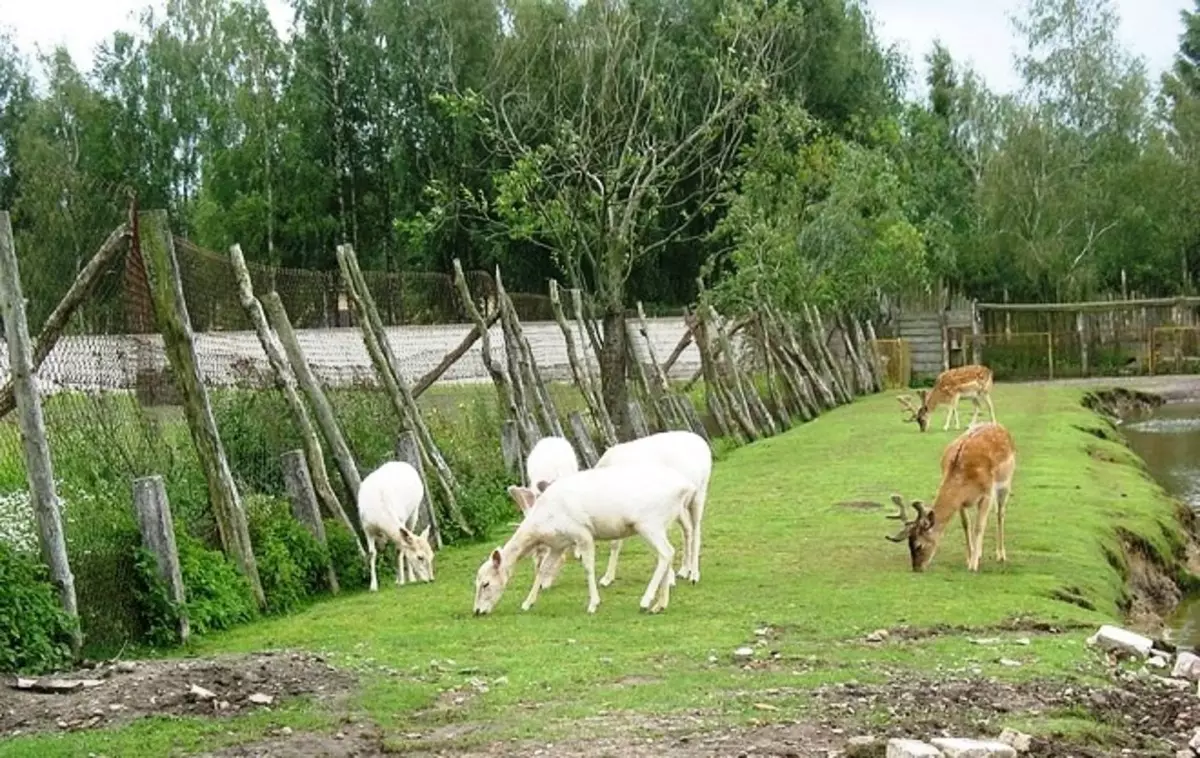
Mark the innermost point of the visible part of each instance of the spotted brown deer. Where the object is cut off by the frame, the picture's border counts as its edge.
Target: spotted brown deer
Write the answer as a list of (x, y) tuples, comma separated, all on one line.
[(972, 381), (977, 470)]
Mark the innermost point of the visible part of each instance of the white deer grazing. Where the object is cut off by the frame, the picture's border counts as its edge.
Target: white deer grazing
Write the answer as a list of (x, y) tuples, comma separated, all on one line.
[(550, 459), (687, 453), (576, 511), (388, 503)]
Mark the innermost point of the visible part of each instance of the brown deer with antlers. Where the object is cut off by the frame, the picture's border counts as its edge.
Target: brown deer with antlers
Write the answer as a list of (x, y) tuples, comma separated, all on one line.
[(977, 470), (971, 381)]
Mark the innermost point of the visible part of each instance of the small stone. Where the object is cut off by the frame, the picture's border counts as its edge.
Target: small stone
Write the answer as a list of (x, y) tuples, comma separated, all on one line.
[(960, 748), (1021, 641), (1009, 662), (1121, 640), (200, 693), (126, 667), (1018, 741), (986, 641), (285, 731), (1195, 743), (712, 659), (1157, 662), (1187, 666), (259, 698), (861, 741), (340, 736), (766, 707), (762, 632), (897, 748), (743, 653), (879, 635)]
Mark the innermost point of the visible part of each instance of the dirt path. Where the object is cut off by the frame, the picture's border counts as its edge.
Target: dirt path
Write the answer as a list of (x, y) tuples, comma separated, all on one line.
[(1144, 716)]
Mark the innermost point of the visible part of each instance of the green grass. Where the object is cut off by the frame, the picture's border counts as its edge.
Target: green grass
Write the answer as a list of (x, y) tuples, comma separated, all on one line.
[(778, 552)]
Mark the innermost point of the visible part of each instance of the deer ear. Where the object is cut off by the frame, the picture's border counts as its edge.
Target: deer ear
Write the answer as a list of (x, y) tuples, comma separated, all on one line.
[(522, 496), (496, 558), (425, 533), (406, 535)]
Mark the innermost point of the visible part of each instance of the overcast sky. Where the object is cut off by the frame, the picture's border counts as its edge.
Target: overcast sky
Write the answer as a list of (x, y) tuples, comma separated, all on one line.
[(974, 30)]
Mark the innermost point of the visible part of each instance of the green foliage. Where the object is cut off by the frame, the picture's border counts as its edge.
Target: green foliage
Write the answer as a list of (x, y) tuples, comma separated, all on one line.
[(217, 594), (291, 563), (348, 564), (35, 634), (816, 218)]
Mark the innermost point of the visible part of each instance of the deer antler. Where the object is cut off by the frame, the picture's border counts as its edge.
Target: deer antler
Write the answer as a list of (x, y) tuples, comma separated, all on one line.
[(907, 402), (903, 516)]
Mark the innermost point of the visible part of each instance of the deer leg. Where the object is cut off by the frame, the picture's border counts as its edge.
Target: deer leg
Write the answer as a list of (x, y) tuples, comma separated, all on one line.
[(975, 403), (610, 574), (966, 525), (374, 551), (1001, 497), (551, 565), (586, 547), (991, 408), (539, 579), (658, 591), (951, 412), (985, 504), (401, 576)]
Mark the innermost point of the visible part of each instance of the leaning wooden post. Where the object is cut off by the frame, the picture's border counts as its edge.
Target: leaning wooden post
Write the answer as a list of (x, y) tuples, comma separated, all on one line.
[(591, 394), (408, 450), (687, 409), (510, 447), (298, 484), (1081, 327), (637, 418), (583, 438), (375, 338), (285, 380), (541, 394), (976, 345), (158, 535), (326, 420), (38, 468), (84, 284), (166, 290)]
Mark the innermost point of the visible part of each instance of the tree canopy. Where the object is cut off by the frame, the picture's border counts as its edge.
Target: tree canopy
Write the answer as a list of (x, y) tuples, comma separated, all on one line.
[(626, 146)]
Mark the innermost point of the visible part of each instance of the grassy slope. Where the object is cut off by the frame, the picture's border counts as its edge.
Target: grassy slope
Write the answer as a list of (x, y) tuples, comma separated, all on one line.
[(778, 551)]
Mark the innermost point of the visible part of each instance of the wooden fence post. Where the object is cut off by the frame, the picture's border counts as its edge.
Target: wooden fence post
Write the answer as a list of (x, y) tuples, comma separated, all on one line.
[(976, 345), (637, 418), (322, 410), (297, 481), (285, 379), (158, 535), (38, 468), (170, 309), (408, 451), (510, 446), (1081, 327), (583, 438)]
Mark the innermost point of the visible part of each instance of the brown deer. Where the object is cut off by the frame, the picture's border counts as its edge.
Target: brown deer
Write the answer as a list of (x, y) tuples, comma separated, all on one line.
[(971, 381), (977, 470)]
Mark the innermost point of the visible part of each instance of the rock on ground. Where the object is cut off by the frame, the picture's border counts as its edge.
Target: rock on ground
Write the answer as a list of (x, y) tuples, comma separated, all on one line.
[(960, 748), (1121, 640), (911, 749)]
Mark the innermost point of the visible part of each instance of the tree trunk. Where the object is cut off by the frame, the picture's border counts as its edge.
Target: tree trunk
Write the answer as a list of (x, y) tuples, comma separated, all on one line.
[(612, 371)]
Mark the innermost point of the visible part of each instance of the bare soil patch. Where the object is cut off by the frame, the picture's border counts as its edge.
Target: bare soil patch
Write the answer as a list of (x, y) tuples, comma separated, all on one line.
[(134, 689), (860, 505), (1145, 717)]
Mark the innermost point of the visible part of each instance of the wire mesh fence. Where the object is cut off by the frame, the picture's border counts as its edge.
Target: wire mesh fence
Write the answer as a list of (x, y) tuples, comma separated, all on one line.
[(113, 411)]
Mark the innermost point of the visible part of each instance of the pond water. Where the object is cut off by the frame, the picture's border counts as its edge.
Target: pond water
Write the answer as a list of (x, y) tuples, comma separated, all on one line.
[(1168, 440)]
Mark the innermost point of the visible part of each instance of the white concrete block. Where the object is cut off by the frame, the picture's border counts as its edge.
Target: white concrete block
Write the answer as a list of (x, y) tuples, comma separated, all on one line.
[(1115, 638), (1187, 666), (960, 748), (898, 748)]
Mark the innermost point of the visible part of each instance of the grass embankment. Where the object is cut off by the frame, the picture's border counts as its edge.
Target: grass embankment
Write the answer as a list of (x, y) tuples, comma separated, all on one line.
[(780, 553)]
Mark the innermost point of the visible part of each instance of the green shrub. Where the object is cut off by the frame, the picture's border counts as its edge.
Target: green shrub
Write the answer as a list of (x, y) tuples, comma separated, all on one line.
[(349, 565), (34, 632), (218, 596), (291, 563)]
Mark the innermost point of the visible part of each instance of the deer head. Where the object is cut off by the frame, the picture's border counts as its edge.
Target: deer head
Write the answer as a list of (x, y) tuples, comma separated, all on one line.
[(922, 543), (917, 413)]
